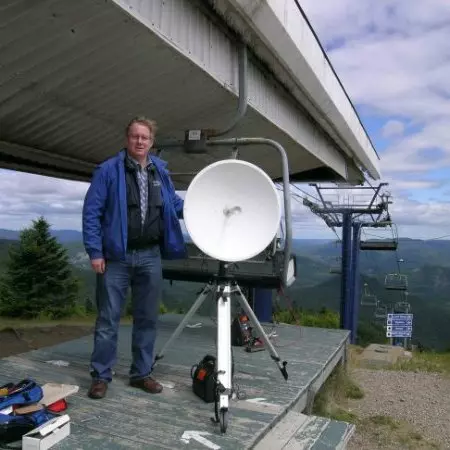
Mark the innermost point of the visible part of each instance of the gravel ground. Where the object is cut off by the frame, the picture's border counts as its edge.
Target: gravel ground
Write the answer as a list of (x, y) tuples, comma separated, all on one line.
[(418, 398)]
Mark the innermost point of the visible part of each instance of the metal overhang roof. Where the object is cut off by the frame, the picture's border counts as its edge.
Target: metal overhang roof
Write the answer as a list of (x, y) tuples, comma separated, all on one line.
[(280, 34), (73, 73)]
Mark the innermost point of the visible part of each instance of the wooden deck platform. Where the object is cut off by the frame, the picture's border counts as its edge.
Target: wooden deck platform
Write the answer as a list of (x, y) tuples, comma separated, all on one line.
[(130, 419)]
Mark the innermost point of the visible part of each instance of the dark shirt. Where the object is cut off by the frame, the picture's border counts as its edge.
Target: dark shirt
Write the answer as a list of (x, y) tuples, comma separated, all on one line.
[(142, 180)]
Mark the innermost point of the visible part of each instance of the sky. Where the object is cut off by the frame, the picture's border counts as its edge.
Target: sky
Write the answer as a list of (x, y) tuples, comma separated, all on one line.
[(393, 58)]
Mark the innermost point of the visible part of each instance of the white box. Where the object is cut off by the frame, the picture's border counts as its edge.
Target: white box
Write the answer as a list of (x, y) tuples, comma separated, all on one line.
[(48, 434)]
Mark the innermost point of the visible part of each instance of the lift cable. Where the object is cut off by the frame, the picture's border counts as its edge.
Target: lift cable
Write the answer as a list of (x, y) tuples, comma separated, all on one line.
[(298, 197)]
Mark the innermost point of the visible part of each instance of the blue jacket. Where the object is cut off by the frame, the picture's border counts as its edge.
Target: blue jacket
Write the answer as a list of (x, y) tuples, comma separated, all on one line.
[(105, 212)]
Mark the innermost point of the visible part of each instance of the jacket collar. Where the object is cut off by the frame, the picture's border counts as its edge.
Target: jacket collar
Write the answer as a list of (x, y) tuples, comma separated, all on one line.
[(158, 162)]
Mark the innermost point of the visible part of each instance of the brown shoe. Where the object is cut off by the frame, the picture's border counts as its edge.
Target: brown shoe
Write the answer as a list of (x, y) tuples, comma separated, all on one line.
[(98, 389), (147, 384)]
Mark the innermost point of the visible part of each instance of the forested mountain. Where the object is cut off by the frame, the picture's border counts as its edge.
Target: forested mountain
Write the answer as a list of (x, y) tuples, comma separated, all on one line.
[(63, 236), (427, 264)]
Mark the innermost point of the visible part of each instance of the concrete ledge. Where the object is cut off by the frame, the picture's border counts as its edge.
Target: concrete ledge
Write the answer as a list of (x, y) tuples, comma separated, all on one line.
[(378, 355)]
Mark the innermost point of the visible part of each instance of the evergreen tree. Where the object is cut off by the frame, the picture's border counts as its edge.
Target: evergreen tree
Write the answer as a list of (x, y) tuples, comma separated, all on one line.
[(38, 280)]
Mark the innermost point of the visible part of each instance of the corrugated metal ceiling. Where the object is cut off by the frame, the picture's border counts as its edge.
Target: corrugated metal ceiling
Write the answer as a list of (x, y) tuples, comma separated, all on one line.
[(72, 73)]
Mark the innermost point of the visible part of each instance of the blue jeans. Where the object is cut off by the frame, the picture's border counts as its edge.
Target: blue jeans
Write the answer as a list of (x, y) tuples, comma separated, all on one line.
[(142, 270)]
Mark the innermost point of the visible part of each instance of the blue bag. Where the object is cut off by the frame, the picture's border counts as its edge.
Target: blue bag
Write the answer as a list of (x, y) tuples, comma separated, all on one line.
[(24, 393), (12, 426)]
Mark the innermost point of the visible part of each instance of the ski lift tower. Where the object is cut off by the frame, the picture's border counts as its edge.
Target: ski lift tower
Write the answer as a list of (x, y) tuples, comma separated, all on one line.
[(351, 208)]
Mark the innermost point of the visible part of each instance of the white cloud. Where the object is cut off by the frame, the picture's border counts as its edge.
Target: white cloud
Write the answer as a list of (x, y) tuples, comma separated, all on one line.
[(393, 128), (25, 197), (394, 60), (405, 185), (432, 214), (412, 217), (410, 153)]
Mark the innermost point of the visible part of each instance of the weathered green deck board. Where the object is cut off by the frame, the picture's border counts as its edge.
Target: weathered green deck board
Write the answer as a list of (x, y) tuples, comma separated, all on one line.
[(129, 418)]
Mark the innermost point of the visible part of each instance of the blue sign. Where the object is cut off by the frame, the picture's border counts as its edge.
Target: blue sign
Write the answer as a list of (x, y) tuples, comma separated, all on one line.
[(399, 322), (398, 334), (400, 316), (399, 325), (403, 329)]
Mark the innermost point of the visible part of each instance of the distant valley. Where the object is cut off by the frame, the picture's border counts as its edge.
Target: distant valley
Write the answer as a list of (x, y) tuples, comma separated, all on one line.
[(427, 264), (63, 236)]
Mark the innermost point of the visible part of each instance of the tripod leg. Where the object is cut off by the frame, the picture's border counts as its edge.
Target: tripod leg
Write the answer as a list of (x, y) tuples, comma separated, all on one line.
[(254, 320), (200, 299), (224, 378)]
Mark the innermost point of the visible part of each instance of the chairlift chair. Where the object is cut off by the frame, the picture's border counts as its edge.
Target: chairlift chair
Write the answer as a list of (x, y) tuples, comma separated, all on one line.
[(402, 307), (336, 267), (380, 312), (396, 282), (368, 299), (378, 244), (389, 244)]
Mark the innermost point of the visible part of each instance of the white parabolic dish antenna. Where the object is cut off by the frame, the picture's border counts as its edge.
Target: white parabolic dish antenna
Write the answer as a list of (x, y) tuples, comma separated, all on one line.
[(232, 210)]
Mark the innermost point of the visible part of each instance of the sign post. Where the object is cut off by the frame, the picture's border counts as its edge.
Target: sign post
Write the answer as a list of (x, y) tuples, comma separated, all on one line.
[(399, 326)]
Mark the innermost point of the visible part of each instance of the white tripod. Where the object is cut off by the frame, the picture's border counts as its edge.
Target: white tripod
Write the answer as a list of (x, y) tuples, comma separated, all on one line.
[(224, 286)]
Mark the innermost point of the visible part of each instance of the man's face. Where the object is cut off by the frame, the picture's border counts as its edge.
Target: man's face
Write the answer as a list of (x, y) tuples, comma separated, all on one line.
[(139, 141)]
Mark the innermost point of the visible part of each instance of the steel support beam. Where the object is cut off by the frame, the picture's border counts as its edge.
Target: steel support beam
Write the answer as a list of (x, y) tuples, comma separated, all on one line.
[(357, 210), (347, 216), (355, 282), (346, 271)]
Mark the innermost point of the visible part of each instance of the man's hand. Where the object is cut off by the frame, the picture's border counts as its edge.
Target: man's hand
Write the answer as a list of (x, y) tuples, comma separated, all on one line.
[(98, 265)]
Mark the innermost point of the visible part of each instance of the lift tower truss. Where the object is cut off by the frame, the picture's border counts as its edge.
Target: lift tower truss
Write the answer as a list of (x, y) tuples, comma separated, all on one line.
[(351, 208)]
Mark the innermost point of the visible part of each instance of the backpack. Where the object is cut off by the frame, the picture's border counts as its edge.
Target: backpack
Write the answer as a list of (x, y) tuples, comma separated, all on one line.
[(204, 378)]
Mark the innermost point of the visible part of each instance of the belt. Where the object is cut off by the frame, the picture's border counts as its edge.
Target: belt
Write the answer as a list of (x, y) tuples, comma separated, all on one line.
[(145, 246)]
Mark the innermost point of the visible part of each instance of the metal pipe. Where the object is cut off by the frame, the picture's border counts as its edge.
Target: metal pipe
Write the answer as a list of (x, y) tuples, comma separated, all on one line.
[(286, 190), (243, 96)]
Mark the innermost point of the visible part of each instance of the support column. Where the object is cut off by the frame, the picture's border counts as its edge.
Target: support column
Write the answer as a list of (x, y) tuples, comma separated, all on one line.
[(346, 270), (355, 283), (263, 304)]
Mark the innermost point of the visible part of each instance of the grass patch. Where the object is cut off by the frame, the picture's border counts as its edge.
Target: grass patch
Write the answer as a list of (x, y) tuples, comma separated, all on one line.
[(331, 400), (385, 431), (431, 361), (384, 421), (438, 362), (8, 323), (355, 349), (379, 431), (75, 320), (352, 390), (324, 318), (342, 415), (416, 436), (344, 386)]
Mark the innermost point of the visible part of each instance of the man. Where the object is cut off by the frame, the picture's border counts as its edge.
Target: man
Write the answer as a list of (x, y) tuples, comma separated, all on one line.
[(130, 219)]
